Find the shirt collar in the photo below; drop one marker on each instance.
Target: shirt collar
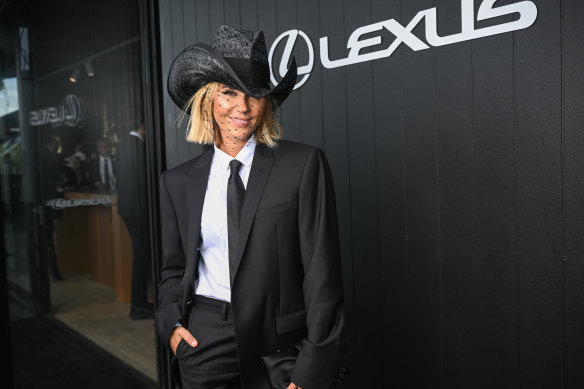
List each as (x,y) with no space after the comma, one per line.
(245,155)
(136,134)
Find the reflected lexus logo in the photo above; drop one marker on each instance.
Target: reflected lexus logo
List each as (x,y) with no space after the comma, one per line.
(70,113)
(291,36)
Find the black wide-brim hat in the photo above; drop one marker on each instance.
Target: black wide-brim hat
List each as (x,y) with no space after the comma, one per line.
(238,59)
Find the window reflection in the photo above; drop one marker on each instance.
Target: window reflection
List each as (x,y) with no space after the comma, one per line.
(74,194)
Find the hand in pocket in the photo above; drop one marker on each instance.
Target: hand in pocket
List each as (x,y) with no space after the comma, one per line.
(181,333)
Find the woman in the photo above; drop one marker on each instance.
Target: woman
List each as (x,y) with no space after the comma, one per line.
(251,271)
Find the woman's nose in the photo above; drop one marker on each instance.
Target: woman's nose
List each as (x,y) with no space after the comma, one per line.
(243,104)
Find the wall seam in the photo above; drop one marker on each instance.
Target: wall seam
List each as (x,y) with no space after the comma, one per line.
(562,187)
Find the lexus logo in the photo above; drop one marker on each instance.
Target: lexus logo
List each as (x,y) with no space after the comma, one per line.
(522,15)
(291,36)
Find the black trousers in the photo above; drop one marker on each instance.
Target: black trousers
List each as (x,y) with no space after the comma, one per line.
(139,231)
(214,363)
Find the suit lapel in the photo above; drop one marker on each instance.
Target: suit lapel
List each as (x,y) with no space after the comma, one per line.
(197,186)
(260,170)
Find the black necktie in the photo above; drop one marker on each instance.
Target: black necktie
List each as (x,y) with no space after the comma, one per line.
(235,195)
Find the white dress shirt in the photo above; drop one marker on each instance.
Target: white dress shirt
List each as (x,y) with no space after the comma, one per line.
(134,133)
(214,266)
(103,171)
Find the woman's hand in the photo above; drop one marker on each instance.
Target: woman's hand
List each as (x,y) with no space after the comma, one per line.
(293,386)
(181,333)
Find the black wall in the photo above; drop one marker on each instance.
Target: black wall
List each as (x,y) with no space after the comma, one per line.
(459,181)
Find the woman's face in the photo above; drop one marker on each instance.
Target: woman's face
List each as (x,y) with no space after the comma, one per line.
(236,114)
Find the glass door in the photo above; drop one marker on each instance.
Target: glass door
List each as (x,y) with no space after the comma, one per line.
(74,193)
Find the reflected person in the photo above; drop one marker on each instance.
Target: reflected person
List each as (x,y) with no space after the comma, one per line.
(102,168)
(133,208)
(51,177)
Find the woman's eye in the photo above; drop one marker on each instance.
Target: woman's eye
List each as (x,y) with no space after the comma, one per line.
(228,93)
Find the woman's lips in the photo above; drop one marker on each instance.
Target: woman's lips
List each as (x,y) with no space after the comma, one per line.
(241,122)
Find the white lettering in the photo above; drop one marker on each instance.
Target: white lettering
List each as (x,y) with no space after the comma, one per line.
(403,35)
(70,113)
(527,14)
(106,201)
(526,11)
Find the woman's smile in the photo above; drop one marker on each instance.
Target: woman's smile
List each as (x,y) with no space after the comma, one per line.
(240,122)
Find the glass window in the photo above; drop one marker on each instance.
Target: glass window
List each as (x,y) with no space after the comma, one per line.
(74,192)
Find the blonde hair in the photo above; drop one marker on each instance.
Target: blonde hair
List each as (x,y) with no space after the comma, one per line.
(202,128)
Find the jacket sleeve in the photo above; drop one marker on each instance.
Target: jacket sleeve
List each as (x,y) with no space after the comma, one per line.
(321,352)
(168,312)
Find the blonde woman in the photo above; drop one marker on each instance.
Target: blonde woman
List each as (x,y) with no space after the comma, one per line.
(250,293)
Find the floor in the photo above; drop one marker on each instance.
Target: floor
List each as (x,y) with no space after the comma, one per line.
(90,309)
(58,358)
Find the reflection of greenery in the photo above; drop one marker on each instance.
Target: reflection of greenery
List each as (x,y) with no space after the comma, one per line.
(12,146)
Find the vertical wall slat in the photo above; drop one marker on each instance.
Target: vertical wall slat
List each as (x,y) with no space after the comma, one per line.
(310,93)
(423,210)
(290,111)
(494,142)
(178,44)
(232,12)
(190,14)
(334,122)
(391,225)
(457,210)
(267,19)
(362,171)
(573,146)
(202,28)
(249,15)
(167,53)
(539,199)
(216,16)
(189,27)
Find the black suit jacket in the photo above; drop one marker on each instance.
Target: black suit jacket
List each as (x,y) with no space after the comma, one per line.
(286,283)
(131,179)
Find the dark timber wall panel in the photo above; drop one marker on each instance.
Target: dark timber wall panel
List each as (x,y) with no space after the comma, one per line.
(424,275)
(539,200)
(391,225)
(573,189)
(495,191)
(459,175)
(455,172)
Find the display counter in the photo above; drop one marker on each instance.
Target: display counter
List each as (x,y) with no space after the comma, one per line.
(92,238)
